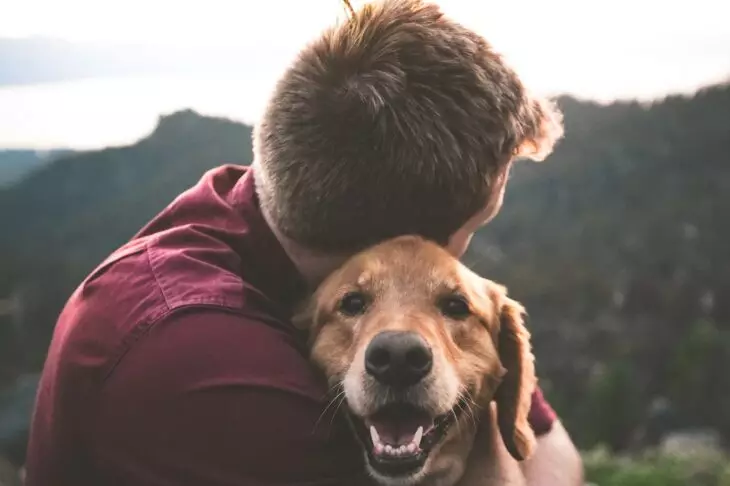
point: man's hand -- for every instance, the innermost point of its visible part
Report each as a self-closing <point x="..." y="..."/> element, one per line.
<point x="489" y="461"/>
<point x="555" y="462"/>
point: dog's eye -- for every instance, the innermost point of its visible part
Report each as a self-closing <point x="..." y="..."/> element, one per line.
<point x="353" y="304"/>
<point x="454" y="307"/>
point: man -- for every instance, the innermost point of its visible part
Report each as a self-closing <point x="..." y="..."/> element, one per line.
<point x="174" y="362"/>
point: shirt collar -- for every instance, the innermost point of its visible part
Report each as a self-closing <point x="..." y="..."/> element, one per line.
<point x="267" y="264"/>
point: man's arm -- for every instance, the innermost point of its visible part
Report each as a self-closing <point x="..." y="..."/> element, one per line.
<point x="555" y="462"/>
<point x="210" y="398"/>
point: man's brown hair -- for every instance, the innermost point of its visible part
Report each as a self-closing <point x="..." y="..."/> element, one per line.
<point x="396" y="121"/>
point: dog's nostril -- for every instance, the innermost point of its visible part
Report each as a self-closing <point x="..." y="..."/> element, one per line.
<point x="379" y="358"/>
<point x="398" y="358"/>
<point x="419" y="357"/>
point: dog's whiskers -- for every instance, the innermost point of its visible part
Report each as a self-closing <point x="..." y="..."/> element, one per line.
<point x="468" y="405"/>
<point x="471" y="414"/>
<point x="338" y="398"/>
<point x="456" y="420"/>
<point x="337" y="408"/>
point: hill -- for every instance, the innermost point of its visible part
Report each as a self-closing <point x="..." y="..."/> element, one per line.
<point x="16" y="164"/>
<point x="616" y="244"/>
<point x="65" y="218"/>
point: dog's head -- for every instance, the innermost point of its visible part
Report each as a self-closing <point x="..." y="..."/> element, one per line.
<point x="417" y="342"/>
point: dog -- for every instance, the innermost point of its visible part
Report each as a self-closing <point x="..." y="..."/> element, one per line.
<point x="422" y="350"/>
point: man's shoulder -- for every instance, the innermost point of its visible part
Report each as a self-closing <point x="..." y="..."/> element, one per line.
<point x="186" y="283"/>
<point x="191" y="267"/>
<point x="135" y="287"/>
<point x="180" y="267"/>
<point x="203" y="346"/>
<point x="202" y="250"/>
<point x="147" y="278"/>
<point x="198" y="249"/>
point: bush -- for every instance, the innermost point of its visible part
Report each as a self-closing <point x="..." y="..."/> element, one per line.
<point x="656" y="469"/>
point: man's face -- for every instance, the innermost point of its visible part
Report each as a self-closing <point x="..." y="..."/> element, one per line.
<point x="459" y="241"/>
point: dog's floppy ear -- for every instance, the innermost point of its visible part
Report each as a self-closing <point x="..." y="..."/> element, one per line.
<point x="514" y="394"/>
<point x="538" y="126"/>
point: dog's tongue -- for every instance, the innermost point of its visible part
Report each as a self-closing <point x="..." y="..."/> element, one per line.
<point x="396" y="428"/>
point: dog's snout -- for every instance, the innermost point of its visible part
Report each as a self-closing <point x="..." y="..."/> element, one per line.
<point x="398" y="358"/>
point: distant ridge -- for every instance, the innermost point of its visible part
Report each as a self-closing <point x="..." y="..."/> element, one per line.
<point x="16" y="164"/>
<point x="88" y="203"/>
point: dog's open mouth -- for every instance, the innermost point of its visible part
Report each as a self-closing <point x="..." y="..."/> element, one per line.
<point x="399" y="437"/>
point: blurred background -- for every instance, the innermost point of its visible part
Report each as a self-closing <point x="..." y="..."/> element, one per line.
<point x="618" y="244"/>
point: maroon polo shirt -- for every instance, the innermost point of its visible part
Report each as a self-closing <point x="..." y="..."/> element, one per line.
<point x="174" y="362"/>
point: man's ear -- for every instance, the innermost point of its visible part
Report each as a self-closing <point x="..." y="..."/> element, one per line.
<point x="514" y="394"/>
<point x="538" y="126"/>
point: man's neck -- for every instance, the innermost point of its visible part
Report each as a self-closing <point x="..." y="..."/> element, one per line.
<point x="313" y="266"/>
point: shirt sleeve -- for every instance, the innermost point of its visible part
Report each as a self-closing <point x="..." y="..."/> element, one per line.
<point x="211" y="398"/>
<point x="541" y="416"/>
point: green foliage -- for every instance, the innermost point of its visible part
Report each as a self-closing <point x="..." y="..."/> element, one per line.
<point x="688" y="367"/>
<point x="612" y="405"/>
<point x="654" y="469"/>
<point x="698" y="369"/>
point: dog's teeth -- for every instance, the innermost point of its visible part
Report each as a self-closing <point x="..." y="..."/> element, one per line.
<point x="374" y="435"/>
<point x="418" y="436"/>
<point x="402" y="450"/>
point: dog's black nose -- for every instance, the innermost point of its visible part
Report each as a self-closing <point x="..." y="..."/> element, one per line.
<point x="398" y="358"/>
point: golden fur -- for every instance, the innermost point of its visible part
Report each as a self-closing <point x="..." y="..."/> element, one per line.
<point x="482" y="358"/>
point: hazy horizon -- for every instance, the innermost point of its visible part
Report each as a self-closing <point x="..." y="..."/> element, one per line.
<point x="603" y="51"/>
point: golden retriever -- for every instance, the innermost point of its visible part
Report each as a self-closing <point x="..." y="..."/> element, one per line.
<point x="420" y="348"/>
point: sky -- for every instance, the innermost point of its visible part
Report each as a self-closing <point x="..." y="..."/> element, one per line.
<point x="593" y="49"/>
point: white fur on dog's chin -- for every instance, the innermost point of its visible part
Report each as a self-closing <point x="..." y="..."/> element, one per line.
<point x="396" y="481"/>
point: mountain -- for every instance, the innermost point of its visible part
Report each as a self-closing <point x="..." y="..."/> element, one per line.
<point x="72" y="197"/>
<point x="617" y="245"/>
<point x="65" y="218"/>
<point x="16" y="164"/>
